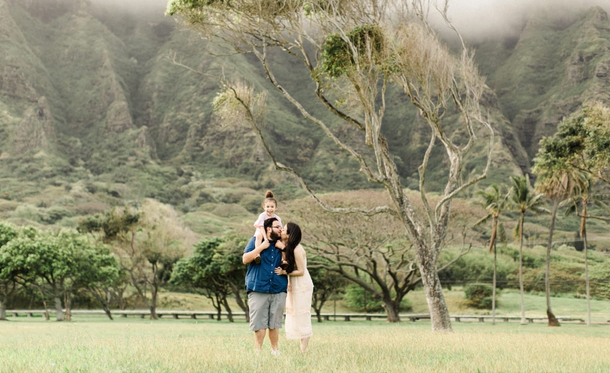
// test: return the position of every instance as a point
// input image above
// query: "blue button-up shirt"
(261, 277)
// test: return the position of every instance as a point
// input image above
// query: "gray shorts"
(266, 310)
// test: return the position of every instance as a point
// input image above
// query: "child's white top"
(261, 220)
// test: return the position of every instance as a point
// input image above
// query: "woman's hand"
(280, 245)
(280, 271)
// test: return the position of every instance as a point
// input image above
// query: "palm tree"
(558, 181)
(582, 198)
(494, 202)
(523, 198)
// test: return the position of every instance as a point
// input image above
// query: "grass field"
(136, 345)
(509, 304)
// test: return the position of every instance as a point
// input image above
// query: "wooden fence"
(326, 316)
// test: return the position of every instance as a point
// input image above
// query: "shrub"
(28, 212)
(55, 214)
(477, 266)
(599, 278)
(479, 296)
(359, 299)
(252, 203)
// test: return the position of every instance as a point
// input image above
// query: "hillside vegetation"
(99, 106)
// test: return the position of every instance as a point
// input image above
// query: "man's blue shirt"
(261, 277)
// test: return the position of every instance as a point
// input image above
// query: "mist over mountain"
(94, 109)
(487, 19)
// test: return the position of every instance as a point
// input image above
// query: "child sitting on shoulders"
(269, 207)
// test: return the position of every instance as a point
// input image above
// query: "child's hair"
(269, 197)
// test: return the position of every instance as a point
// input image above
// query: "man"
(266, 290)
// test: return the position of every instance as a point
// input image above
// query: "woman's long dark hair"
(294, 238)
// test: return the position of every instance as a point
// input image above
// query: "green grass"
(134, 345)
(510, 304)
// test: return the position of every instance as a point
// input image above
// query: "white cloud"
(482, 18)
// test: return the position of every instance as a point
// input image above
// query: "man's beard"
(274, 236)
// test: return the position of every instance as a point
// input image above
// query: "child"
(269, 207)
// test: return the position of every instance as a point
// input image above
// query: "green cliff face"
(547, 73)
(95, 99)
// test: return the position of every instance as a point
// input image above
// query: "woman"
(300, 287)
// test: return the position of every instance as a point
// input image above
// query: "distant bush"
(529, 259)
(90, 208)
(358, 299)
(204, 197)
(6, 206)
(252, 203)
(599, 277)
(477, 266)
(561, 281)
(54, 214)
(90, 187)
(28, 212)
(479, 296)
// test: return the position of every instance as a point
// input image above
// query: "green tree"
(118, 228)
(494, 200)
(327, 283)
(204, 271)
(51, 262)
(354, 52)
(98, 272)
(523, 199)
(148, 240)
(578, 152)
(558, 181)
(8, 277)
(582, 141)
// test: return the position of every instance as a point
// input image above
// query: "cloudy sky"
(474, 18)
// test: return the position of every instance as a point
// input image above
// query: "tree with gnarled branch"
(355, 51)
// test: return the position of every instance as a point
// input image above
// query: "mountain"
(100, 104)
(552, 68)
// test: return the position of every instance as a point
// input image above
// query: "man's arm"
(249, 256)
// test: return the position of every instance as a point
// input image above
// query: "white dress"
(298, 304)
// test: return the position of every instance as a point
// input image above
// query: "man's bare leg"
(259, 337)
(304, 343)
(274, 336)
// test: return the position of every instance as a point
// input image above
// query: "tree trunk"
(107, 311)
(547, 274)
(493, 296)
(154, 292)
(392, 308)
(587, 280)
(153, 304)
(523, 321)
(59, 313)
(228, 308)
(5, 295)
(217, 305)
(3, 309)
(119, 298)
(439, 314)
(240, 302)
(46, 310)
(68, 302)
(318, 313)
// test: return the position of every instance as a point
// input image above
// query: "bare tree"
(354, 51)
(370, 251)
